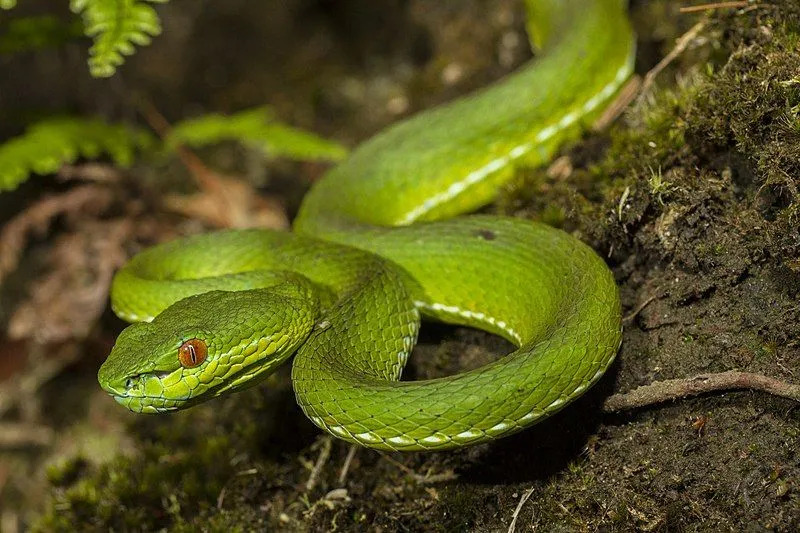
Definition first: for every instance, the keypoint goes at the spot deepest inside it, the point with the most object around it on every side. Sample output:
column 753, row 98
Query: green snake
column 376, row 245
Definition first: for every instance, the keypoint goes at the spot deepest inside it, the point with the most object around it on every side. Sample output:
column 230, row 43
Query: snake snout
column 115, row 388
column 125, row 386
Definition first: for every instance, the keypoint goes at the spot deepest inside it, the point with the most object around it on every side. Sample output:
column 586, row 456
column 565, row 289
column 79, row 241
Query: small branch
column 684, row 40
column 223, row 201
column 633, row 314
column 522, row 501
column 674, row 389
column 346, row 466
column 96, row 172
column 715, row 5
column 626, row 96
column 64, row 304
column 14, row 236
column 324, row 454
column 203, row 176
column 23, row 389
column 680, row 46
column 419, row 478
column 16, row 435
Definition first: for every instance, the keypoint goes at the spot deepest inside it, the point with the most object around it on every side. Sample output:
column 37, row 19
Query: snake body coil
column 370, row 253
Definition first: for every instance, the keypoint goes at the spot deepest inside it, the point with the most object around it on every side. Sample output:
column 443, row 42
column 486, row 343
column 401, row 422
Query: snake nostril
column 485, row 234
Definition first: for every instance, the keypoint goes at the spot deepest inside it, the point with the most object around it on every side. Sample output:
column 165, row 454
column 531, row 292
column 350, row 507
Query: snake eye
column 192, row 353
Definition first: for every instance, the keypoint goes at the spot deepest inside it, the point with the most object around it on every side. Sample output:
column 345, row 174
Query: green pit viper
column 375, row 246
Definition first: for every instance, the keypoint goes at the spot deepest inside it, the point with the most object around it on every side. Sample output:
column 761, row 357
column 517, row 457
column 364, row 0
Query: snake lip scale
column 383, row 240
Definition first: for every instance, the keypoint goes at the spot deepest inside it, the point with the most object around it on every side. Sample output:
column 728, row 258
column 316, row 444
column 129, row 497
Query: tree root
column 674, row 389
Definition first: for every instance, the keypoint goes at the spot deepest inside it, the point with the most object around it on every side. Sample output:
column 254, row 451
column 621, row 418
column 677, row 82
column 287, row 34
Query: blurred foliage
column 259, row 129
column 35, row 33
column 53, row 142
column 115, row 26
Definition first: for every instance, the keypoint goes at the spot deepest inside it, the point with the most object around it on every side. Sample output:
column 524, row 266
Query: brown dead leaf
column 229, row 203
column 66, row 302
column 37, row 218
column 223, row 202
column 40, row 365
column 92, row 171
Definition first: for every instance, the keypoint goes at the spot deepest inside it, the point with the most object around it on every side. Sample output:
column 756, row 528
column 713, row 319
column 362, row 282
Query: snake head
column 205, row 345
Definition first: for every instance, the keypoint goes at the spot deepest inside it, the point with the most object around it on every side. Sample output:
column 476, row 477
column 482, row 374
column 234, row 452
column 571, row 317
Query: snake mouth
column 136, row 391
column 147, row 404
column 133, row 393
column 124, row 388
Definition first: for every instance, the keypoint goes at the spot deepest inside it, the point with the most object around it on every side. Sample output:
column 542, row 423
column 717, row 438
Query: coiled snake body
column 370, row 252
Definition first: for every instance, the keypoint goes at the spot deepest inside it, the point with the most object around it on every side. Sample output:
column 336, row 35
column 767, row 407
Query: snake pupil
column 192, row 353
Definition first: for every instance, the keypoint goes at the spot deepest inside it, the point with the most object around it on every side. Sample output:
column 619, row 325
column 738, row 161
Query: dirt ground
column 692, row 195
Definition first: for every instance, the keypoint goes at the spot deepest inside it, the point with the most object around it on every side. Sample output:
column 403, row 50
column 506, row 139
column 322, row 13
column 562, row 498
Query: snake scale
column 378, row 243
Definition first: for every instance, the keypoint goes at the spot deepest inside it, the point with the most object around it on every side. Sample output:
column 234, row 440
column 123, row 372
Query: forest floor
column 692, row 195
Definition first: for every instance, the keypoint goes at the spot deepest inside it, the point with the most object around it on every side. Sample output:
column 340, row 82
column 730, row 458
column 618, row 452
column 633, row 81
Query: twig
column 25, row 387
column 96, row 172
column 222, row 201
column 224, row 490
column 633, row 314
column 346, row 466
column 419, row 478
column 673, row 389
column 203, row 176
column 4, row 471
column 324, row 454
column 680, row 46
column 715, row 5
column 16, row 435
column 38, row 216
column 615, row 109
column 65, row 303
column 522, row 501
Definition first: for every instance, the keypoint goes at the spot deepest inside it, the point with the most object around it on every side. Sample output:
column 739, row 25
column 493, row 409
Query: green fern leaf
column 116, row 26
column 51, row 143
column 257, row 128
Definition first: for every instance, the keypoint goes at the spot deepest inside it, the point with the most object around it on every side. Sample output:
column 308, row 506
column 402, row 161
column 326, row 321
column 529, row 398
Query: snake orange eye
column 192, row 353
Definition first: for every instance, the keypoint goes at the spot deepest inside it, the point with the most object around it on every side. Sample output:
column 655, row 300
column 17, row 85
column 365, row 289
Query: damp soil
column 691, row 197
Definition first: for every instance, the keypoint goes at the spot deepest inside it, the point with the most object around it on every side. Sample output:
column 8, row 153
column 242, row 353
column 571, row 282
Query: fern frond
column 51, row 143
column 116, row 26
column 257, row 128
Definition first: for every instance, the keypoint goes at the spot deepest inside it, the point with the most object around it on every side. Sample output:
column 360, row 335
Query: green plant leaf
column 116, row 26
column 257, row 128
column 51, row 143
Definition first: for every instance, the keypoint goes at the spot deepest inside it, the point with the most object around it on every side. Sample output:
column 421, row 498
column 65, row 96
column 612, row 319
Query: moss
column 66, row 471
column 737, row 121
column 160, row 479
column 183, row 464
